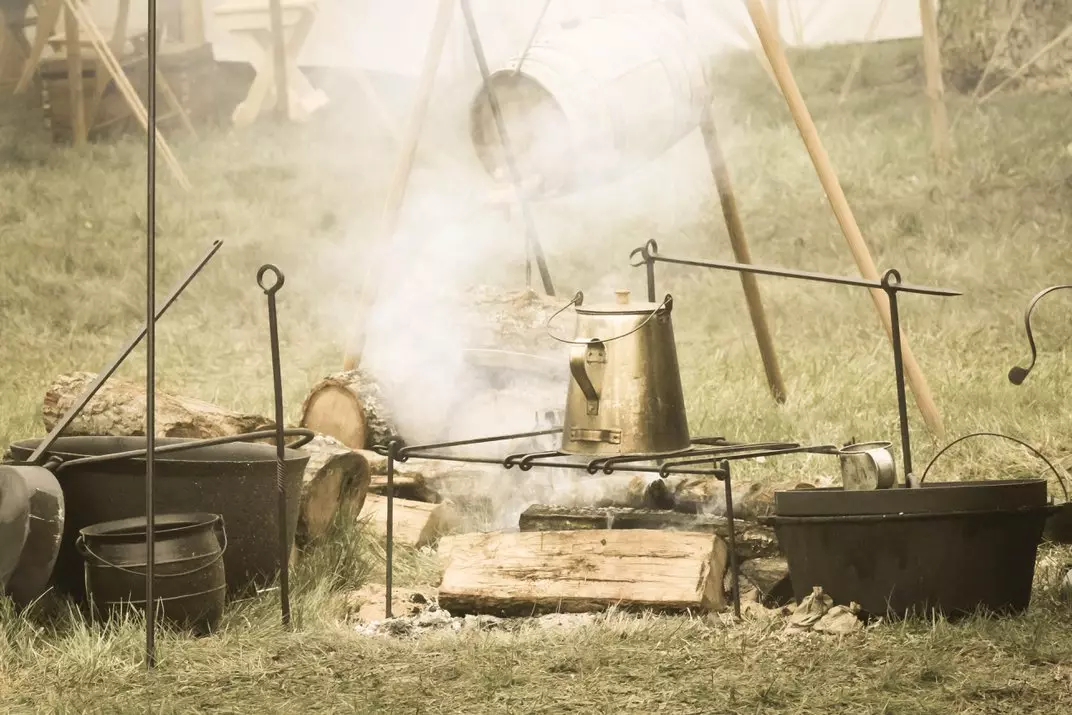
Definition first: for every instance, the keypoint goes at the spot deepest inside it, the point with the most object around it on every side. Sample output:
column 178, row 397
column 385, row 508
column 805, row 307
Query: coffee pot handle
column 578, row 299
column 578, row 368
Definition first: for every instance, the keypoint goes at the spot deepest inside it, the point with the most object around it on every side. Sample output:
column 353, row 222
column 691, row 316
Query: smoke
column 452, row 275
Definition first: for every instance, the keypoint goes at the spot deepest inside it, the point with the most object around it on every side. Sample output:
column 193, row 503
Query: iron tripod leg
column 731, row 538
column 889, row 283
column 392, row 452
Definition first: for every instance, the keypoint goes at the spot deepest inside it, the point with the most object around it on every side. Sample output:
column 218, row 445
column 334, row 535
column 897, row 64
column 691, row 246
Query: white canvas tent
column 390, row 37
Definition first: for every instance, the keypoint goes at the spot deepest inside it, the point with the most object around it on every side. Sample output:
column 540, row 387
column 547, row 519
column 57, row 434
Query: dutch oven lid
column 932, row 497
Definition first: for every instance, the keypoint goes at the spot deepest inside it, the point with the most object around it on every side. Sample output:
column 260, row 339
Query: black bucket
column 948, row 547
column 189, row 578
column 237, row 481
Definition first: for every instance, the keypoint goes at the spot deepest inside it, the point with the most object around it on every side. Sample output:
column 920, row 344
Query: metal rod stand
column 889, row 282
column 648, row 255
column 150, row 351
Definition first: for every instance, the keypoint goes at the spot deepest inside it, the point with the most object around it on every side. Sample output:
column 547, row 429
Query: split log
column 753, row 540
column 416, row 524
column 349, row 406
column 334, row 476
column 118, row 409
column 530, row 573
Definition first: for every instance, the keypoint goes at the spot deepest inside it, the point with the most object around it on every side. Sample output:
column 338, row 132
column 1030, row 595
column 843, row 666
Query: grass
column 306, row 198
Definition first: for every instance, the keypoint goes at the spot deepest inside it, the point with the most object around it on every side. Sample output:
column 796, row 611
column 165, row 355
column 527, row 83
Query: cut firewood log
column 416, row 524
column 334, row 476
column 349, row 406
column 118, row 409
column 753, row 540
column 529, row 573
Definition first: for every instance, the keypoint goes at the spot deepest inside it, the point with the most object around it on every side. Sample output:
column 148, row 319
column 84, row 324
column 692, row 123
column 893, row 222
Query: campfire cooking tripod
column 707, row 456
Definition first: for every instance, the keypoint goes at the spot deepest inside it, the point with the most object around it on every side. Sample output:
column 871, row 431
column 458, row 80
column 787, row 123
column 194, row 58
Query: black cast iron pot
column 947, row 547
column 236, row 481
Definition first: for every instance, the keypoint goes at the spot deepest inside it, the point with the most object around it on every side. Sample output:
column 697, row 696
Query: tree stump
column 118, row 409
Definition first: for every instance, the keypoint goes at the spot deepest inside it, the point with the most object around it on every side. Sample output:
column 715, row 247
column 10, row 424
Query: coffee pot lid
column 622, row 305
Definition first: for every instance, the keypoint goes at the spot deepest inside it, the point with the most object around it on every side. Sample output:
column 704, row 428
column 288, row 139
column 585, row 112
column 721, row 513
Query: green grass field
column 307, row 197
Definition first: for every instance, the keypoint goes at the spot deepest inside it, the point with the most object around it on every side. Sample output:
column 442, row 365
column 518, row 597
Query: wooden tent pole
column 932, row 59
column 400, row 180
column 840, row 204
column 735, row 228
column 742, row 254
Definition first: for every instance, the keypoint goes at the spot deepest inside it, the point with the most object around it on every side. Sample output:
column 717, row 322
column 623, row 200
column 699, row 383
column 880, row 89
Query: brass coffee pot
column 624, row 394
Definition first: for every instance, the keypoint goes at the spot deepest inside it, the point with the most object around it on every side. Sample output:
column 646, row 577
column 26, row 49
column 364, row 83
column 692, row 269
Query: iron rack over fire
column 706, row 456
column 625, row 408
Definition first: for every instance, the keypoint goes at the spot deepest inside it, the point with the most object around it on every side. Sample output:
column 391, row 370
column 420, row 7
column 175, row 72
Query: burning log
column 118, row 409
column 753, row 540
column 527, row 573
column 416, row 524
column 349, row 406
column 335, row 476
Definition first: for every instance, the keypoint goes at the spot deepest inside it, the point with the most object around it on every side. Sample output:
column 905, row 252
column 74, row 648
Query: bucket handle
column 1037, row 453
column 578, row 299
column 305, row 436
column 221, row 537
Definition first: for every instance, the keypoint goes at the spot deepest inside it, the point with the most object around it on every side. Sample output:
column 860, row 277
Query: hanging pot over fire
column 624, row 394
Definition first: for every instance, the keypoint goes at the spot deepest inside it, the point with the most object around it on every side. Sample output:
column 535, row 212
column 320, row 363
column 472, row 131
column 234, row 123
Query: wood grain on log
column 416, row 524
column 753, row 540
column 349, row 406
column 333, row 476
column 118, row 409
column 527, row 573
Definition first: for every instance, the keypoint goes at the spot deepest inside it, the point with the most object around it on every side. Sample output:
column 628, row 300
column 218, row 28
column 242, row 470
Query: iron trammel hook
column 273, row 288
column 891, row 278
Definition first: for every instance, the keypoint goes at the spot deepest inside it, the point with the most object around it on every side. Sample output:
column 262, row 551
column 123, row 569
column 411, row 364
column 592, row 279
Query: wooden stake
column 839, row 203
column 999, row 46
column 858, row 58
column 400, row 180
column 932, row 59
column 1065, row 34
column 742, row 254
column 79, row 133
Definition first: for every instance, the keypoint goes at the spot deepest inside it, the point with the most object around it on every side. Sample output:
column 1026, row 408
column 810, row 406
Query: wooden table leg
column 79, row 132
column 47, row 17
column 246, row 112
column 250, row 108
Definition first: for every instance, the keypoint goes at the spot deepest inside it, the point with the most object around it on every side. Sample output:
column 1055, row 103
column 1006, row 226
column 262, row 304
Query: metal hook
column 646, row 253
column 1018, row 374
column 273, row 288
column 891, row 278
